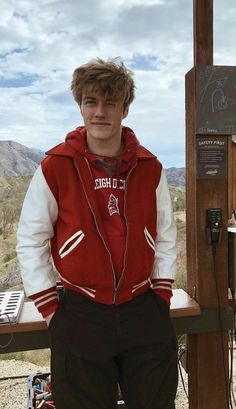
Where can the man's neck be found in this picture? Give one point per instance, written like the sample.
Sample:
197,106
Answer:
104,148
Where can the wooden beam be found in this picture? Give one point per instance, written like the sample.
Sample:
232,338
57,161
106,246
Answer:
230,179
234,174
207,353
207,281
203,32
31,331
231,176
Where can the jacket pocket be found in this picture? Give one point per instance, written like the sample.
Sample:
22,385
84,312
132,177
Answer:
139,285
71,243
149,239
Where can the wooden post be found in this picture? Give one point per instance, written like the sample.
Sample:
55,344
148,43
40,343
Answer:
207,352
203,32
233,188
232,176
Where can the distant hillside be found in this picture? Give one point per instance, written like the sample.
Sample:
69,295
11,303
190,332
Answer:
17,159
176,177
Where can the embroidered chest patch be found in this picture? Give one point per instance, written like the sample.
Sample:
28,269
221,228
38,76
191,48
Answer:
113,205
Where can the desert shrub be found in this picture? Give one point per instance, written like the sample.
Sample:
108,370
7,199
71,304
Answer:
9,256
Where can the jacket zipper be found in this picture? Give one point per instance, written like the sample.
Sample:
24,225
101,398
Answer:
116,287
127,233
99,232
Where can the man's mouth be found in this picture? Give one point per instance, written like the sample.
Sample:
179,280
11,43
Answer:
100,123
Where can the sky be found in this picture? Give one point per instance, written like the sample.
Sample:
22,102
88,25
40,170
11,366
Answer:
43,41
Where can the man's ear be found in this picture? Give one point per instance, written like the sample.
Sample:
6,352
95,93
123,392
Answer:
125,114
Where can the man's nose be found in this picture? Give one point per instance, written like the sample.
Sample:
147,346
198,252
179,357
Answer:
100,110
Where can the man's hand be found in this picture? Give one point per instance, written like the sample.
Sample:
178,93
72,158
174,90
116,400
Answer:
49,317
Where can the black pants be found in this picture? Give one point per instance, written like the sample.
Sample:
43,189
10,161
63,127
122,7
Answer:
97,346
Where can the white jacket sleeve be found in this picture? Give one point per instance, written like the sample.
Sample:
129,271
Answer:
165,257
38,216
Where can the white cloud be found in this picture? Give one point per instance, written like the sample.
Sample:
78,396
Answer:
43,41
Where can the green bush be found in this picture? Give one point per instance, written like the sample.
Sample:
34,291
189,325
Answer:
178,199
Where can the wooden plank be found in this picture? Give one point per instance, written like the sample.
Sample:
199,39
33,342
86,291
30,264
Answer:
207,321
182,305
24,341
30,320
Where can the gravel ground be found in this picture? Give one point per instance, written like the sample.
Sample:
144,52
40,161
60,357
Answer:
14,392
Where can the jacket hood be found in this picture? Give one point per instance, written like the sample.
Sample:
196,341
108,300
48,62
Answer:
77,139
75,142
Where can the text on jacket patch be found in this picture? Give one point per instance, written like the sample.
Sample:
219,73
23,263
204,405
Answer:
114,183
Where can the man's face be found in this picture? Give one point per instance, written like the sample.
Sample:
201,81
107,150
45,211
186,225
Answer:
102,118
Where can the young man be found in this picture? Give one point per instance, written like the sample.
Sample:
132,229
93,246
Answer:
100,205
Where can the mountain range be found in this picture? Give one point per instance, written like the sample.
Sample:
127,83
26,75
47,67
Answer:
19,160
176,177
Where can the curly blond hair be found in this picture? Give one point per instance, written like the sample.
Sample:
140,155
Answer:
109,78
